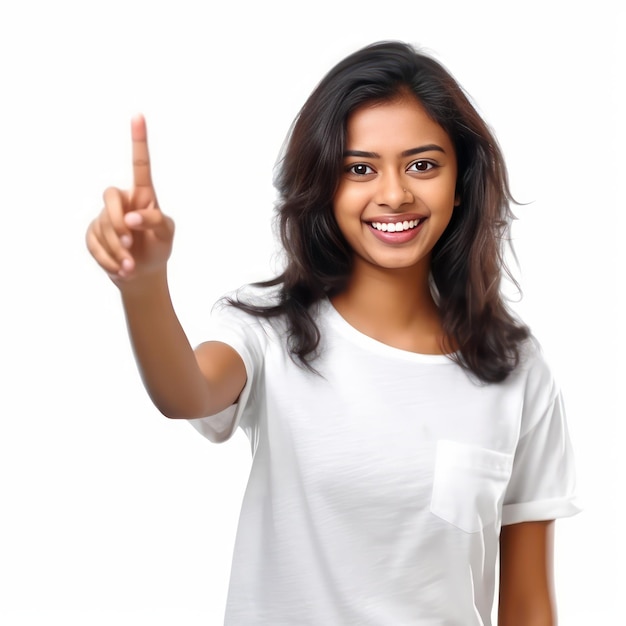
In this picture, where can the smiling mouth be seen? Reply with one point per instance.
(396, 227)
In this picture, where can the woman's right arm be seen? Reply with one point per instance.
(131, 240)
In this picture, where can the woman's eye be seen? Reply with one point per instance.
(360, 169)
(421, 166)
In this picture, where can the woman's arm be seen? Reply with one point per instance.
(181, 382)
(132, 240)
(526, 576)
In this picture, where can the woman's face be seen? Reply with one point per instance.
(397, 191)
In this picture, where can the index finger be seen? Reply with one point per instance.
(142, 175)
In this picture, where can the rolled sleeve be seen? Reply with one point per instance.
(543, 481)
(240, 331)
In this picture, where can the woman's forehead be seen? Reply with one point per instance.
(392, 124)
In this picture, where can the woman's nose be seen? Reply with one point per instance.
(392, 192)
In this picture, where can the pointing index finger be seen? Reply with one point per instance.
(142, 175)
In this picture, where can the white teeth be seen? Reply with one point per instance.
(395, 227)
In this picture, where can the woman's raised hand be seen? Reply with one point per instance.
(131, 238)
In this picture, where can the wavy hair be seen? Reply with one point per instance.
(467, 263)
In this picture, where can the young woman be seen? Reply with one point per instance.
(405, 427)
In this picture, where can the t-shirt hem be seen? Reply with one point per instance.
(540, 511)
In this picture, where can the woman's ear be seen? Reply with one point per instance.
(457, 199)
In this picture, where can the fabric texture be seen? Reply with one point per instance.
(380, 483)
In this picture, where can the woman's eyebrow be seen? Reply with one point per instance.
(427, 148)
(412, 151)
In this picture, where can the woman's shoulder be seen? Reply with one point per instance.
(253, 308)
(533, 355)
(536, 369)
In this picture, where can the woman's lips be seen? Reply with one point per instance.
(396, 231)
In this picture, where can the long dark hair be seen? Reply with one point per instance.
(467, 262)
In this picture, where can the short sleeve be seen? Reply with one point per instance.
(542, 484)
(242, 332)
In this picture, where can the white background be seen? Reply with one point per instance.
(110, 513)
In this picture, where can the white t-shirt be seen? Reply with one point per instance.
(379, 485)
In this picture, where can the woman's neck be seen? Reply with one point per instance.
(395, 307)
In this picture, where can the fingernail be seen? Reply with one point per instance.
(132, 219)
(127, 265)
(126, 241)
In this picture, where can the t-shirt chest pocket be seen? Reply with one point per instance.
(468, 484)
